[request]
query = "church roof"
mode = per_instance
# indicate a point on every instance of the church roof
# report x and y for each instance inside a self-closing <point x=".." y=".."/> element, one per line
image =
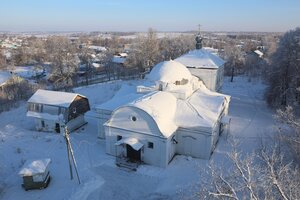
<point x="200" y="58"/>
<point x="169" y="72"/>
<point x="161" y="106"/>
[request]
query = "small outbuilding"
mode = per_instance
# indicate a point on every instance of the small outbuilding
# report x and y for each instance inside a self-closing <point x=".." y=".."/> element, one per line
<point x="52" y="110"/>
<point x="35" y="174"/>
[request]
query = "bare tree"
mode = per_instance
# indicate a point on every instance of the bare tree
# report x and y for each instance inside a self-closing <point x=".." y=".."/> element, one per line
<point x="291" y="138"/>
<point x="264" y="174"/>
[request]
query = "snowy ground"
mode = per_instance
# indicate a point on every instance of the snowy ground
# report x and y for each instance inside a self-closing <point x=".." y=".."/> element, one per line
<point x="101" y="179"/>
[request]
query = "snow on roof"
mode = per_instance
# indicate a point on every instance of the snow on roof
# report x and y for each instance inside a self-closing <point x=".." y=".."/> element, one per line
<point x="54" y="98"/>
<point x="203" y="108"/>
<point x="97" y="48"/>
<point x="4" y="76"/>
<point x="96" y="65"/>
<point x="28" y="71"/>
<point x="133" y="142"/>
<point x="34" y="167"/>
<point x="125" y="95"/>
<point x="201" y="58"/>
<point x="212" y="50"/>
<point x="118" y="59"/>
<point x="169" y="72"/>
<point x="187" y="111"/>
<point x="123" y="54"/>
<point x="259" y="53"/>
<point x="162" y="107"/>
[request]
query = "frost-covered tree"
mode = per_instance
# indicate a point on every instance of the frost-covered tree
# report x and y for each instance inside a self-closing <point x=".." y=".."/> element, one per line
<point x="235" y="60"/>
<point x="85" y="60"/>
<point x="284" y="73"/>
<point x="64" y="61"/>
<point x="172" y="48"/>
<point x="3" y="63"/>
<point x="145" y="52"/>
<point x="22" y="56"/>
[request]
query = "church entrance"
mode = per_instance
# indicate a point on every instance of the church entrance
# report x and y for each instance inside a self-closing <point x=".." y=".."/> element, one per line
<point x="132" y="154"/>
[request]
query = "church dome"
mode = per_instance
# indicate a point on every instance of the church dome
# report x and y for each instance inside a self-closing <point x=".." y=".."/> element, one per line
<point x="169" y="72"/>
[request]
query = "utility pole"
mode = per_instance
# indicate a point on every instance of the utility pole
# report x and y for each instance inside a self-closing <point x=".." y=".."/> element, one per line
<point x="71" y="157"/>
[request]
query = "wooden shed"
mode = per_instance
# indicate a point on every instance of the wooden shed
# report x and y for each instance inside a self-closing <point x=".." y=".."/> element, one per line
<point x="35" y="174"/>
<point x="53" y="110"/>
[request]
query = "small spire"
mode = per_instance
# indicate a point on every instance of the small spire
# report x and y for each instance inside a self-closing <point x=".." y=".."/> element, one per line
<point x="199" y="39"/>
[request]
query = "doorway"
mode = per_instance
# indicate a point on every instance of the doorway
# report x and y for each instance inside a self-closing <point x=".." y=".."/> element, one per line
<point x="57" y="128"/>
<point x="133" y="154"/>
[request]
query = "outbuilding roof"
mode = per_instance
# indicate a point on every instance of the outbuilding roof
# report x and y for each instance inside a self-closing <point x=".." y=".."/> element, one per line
<point x="201" y="58"/>
<point x="34" y="167"/>
<point x="54" y="98"/>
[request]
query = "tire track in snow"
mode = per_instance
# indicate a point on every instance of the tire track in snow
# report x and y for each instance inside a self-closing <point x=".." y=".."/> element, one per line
<point x="83" y="192"/>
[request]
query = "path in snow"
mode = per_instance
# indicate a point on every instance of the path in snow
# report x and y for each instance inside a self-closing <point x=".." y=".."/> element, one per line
<point x="251" y="118"/>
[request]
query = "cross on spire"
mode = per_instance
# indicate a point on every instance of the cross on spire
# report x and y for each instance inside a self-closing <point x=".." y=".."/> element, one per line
<point x="198" y="39"/>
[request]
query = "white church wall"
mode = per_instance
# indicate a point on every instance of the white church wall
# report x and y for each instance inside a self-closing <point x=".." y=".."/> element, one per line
<point x="198" y="145"/>
<point x="154" y="150"/>
<point x="171" y="147"/>
<point x="220" y="78"/>
<point x="103" y="116"/>
<point x="208" y="76"/>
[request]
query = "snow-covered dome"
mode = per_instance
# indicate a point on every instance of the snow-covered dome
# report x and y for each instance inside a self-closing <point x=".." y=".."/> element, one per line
<point x="169" y="72"/>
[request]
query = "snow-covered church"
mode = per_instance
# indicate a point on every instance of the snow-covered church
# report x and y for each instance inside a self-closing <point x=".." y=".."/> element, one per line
<point x="171" y="113"/>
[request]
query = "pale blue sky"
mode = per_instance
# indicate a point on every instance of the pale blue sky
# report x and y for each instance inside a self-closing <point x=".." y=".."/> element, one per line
<point x="139" y="15"/>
